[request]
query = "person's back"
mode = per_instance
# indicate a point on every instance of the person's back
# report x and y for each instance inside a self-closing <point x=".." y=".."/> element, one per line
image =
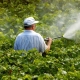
<point x="28" y="40"/>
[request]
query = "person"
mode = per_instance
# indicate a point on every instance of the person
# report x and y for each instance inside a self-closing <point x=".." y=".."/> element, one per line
<point x="30" y="39"/>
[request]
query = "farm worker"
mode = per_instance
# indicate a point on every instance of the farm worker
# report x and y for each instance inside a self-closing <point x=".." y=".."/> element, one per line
<point x="30" y="39"/>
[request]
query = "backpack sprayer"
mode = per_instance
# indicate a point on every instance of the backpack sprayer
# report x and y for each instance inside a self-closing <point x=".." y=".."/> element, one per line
<point x="46" y="39"/>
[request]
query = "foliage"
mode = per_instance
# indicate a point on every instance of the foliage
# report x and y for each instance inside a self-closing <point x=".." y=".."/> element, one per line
<point x="62" y="62"/>
<point x="54" y="16"/>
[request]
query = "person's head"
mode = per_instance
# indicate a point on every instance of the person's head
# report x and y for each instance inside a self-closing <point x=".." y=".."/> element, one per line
<point x="29" y="23"/>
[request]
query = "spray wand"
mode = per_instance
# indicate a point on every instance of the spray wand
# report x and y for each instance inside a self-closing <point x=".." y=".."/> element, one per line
<point x="46" y="39"/>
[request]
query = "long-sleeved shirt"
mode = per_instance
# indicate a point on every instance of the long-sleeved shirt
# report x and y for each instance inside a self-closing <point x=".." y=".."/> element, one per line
<point x="28" y="40"/>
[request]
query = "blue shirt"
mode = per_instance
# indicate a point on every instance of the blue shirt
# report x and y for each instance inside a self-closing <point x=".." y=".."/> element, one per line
<point x="28" y="40"/>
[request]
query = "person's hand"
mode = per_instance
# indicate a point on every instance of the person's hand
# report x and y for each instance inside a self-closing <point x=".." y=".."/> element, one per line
<point x="48" y="43"/>
<point x="50" y="40"/>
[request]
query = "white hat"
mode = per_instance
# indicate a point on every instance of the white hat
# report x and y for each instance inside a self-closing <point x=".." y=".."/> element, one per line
<point x="29" y="21"/>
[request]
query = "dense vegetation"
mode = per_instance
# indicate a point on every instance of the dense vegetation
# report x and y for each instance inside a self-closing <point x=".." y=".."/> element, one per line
<point x="62" y="62"/>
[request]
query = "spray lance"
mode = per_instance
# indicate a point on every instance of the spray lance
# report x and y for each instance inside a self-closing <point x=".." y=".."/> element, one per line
<point x="46" y="39"/>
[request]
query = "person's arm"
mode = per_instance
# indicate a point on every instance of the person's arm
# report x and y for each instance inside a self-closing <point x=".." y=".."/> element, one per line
<point x="48" y="44"/>
<point x="44" y="45"/>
